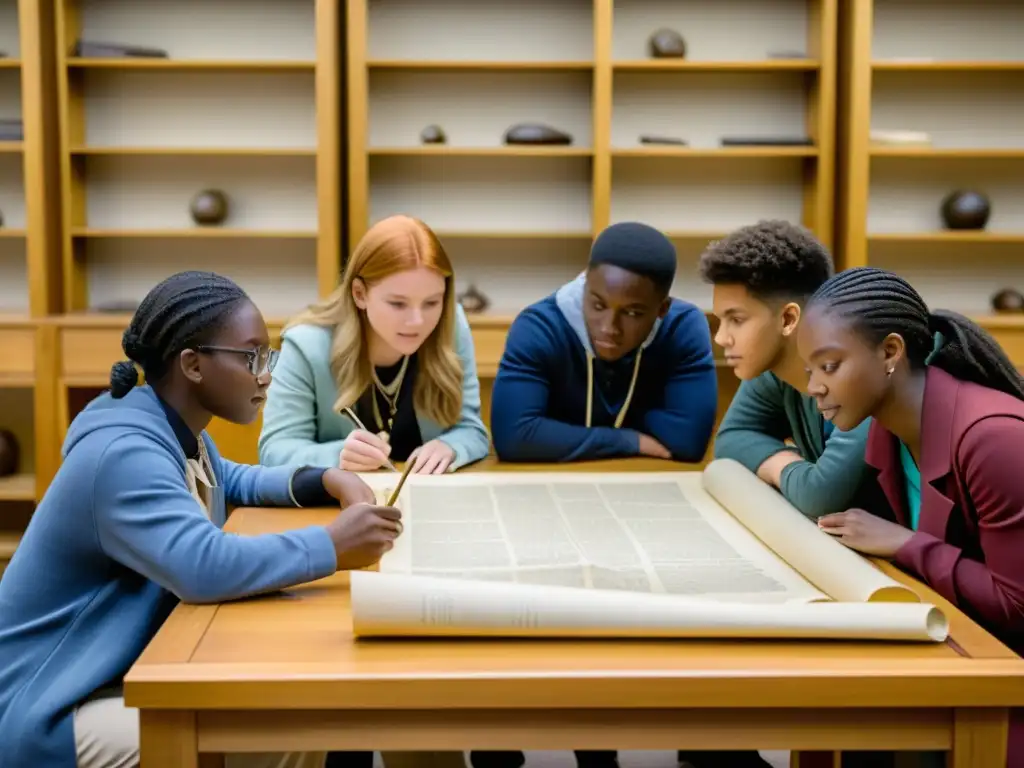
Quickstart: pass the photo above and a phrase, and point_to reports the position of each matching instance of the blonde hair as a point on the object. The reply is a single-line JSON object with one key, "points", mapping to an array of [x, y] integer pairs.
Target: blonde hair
{"points": [[395, 244]]}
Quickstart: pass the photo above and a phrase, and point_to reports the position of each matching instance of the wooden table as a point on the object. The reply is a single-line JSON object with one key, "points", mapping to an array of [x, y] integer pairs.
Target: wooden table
{"points": [[283, 672]]}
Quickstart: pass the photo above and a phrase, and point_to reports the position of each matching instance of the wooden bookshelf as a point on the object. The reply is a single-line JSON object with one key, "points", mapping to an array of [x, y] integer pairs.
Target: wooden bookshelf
{"points": [[29, 253], [247, 101], [956, 73], [518, 221]]}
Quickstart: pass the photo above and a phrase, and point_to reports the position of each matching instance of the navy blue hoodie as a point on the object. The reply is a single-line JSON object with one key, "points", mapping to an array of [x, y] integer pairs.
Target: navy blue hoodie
{"points": [[541, 394]]}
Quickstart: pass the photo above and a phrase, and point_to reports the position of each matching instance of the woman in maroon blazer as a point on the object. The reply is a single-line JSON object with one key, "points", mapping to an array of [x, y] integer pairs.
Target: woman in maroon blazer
{"points": [[947, 441]]}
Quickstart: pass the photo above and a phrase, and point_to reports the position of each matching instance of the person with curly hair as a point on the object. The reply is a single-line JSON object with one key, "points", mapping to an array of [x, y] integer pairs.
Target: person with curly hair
{"points": [[762, 276]]}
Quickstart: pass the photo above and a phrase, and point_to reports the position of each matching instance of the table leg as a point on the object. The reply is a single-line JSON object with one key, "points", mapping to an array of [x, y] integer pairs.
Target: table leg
{"points": [[168, 739], [979, 738]]}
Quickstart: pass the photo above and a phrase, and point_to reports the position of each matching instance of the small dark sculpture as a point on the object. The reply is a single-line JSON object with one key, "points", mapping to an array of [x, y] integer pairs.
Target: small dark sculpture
{"points": [[534, 133], [99, 50], [9, 453], [662, 140], [433, 134], [1008, 300], [473, 301], [966, 209], [667, 44], [209, 207], [766, 141], [1, 218]]}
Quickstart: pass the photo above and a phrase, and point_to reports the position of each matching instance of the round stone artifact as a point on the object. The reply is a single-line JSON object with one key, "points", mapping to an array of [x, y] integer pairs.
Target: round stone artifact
{"points": [[433, 134], [966, 209], [209, 206], [667, 44], [1008, 300]]}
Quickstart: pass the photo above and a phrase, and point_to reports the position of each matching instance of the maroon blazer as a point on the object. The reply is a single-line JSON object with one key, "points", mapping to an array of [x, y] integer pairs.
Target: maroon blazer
{"points": [[969, 544]]}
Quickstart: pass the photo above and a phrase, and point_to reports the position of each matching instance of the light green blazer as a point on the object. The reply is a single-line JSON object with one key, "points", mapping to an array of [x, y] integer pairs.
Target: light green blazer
{"points": [[300, 425]]}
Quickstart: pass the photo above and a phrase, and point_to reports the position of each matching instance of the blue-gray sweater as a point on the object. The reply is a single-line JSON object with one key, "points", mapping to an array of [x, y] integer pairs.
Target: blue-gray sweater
{"points": [[115, 543]]}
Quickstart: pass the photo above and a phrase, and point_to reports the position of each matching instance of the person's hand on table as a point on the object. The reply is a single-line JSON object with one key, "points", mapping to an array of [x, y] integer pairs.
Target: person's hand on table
{"points": [[864, 532], [432, 458], [363, 452]]}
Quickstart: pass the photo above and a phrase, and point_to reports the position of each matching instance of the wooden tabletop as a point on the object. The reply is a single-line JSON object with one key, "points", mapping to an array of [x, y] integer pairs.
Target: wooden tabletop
{"points": [[297, 647]]}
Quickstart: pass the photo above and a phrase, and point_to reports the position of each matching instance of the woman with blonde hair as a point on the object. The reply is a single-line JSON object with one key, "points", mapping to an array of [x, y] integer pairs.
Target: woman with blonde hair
{"points": [[383, 370]]}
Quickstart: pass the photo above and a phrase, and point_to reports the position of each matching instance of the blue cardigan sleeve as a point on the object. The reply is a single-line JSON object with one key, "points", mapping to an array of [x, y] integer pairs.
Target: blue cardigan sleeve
{"points": [[288, 436], [468, 437], [520, 426], [687, 418], [147, 520]]}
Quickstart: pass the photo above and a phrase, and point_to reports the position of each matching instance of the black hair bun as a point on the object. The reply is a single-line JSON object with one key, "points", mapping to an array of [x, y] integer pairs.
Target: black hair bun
{"points": [[123, 378]]}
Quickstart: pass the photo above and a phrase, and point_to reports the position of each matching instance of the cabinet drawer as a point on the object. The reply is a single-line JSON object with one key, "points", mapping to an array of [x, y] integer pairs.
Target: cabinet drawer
{"points": [[89, 351], [17, 352]]}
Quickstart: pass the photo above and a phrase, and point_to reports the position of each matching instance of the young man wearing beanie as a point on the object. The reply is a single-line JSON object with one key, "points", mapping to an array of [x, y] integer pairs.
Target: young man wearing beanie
{"points": [[609, 365]]}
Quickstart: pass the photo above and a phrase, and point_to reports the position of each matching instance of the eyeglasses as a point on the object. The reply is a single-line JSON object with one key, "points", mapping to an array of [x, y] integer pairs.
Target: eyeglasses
{"points": [[261, 359]]}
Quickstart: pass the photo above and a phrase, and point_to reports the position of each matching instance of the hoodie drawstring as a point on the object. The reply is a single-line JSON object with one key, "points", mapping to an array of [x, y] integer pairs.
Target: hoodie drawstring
{"points": [[621, 416]]}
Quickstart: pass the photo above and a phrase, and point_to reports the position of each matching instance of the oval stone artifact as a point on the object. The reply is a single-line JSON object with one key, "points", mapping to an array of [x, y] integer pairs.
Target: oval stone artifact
{"points": [[1008, 300], [667, 44], [433, 134], [535, 133]]}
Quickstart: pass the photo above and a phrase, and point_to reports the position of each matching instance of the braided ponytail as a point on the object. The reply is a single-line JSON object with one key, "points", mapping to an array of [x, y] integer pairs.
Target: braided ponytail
{"points": [[877, 303], [178, 313]]}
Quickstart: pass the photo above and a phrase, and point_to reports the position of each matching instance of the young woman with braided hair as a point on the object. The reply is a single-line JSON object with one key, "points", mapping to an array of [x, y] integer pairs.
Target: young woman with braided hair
{"points": [[946, 442], [132, 523]]}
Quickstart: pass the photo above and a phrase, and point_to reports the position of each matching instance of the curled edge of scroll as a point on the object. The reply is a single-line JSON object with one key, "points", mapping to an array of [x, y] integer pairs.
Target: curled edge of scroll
{"points": [[402, 605]]}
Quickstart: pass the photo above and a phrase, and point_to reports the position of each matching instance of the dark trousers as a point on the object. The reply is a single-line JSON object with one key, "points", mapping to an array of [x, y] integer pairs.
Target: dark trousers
{"points": [[584, 759], [349, 760]]}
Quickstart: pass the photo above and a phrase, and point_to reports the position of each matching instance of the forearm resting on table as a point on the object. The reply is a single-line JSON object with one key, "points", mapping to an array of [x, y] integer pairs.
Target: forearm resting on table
{"points": [[771, 468]]}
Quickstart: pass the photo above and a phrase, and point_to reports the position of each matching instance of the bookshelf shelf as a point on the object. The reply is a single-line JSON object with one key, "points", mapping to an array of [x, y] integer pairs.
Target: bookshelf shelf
{"points": [[954, 72], [247, 103], [483, 65], [10, 63], [687, 65], [518, 220], [198, 232], [211, 65]]}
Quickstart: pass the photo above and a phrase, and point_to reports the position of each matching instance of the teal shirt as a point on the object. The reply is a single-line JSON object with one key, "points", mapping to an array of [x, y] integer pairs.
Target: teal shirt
{"points": [[912, 479], [300, 425], [764, 413]]}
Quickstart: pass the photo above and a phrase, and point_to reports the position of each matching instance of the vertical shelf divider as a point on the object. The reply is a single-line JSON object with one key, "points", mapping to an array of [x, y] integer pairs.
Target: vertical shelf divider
{"points": [[41, 171], [819, 194], [854, 131], [329, 63], [601, 165], [358, 121]]}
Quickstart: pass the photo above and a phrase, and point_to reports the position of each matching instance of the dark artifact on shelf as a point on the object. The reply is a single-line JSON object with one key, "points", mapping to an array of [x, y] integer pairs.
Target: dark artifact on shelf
{"points": [[766, 141], [4, 55], [9, 453], [473, 301], [784, 54], [209, 207], [92, 49], [966, 209], [1008, 300], [12, 129], [433, 134], [666, 44], [1, 218], [662, 140], [535, 133]]}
